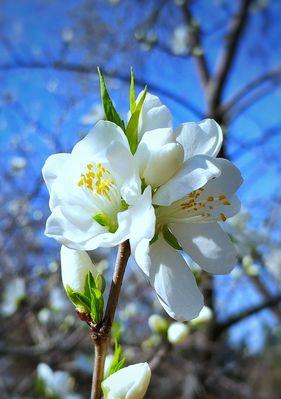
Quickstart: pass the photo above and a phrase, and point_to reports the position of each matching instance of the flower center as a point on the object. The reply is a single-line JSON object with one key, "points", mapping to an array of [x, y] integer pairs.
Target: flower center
{"points": [[105, 195], [96, 179], [195, 207]]}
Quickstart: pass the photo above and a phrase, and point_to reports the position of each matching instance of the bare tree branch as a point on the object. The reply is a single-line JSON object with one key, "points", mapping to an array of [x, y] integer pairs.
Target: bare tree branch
{"points": [[89, 69], [268, 77], [271, 302], [196, 44], [225, 62]]}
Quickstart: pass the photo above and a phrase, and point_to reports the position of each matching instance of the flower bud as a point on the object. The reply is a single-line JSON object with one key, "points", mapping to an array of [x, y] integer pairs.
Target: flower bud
{"points": [[75, 266], [204, 317], [178, 333], [128, 383], [158, 324]]}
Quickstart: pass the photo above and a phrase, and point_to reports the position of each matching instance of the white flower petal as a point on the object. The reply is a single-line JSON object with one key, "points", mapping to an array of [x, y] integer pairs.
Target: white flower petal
{"points": [[173, 282], [158, 156], [195, 173], [154, 114], [72, 227], [75, 266], [227, 182], [98, 140], [207, 244], [128, 383], [142, 229], [121, 163], [200, 138], [52, 168]]}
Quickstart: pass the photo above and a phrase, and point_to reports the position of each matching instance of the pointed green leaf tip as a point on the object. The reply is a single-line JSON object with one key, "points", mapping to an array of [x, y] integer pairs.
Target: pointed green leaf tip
{"points": [[132, 128], [171, 239], [118, 361], [108, 107], [132, 93]]}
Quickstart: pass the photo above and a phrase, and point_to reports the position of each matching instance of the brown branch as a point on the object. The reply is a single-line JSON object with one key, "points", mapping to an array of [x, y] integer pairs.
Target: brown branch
{"points": [[225, 63], [221, 327], [268, 77], [196, 44], [102, 336]]}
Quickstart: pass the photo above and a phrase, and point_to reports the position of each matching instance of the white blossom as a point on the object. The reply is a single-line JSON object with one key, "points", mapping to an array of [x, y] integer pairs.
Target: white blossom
{"points": [[59, 383], [158, 323], [95, 191], [180, 40], [193, 192], [177, 333], [128, 383], [204, 317], [14, 292]]}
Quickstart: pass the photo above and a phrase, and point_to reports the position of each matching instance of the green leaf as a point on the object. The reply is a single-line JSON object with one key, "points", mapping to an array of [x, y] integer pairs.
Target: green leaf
{"points": [[100, 282], [171, 239], [108, 107], [155, 238], [89, 283], [117, 362], [132, 93], [132, 128], [79, 300]]}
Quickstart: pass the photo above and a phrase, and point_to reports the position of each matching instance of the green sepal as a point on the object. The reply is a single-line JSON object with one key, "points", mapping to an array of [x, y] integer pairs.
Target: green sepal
{"points": [[132, 127], [171, 239], [100, 282], [104, 220], [118, 361], [79, 300], [155, 238], [132, 93], [108, 107]]}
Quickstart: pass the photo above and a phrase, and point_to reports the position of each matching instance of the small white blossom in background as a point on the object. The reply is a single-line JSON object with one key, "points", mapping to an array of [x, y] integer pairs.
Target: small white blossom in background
{"points": [[18, 164], [250, 268], [180, 40], [244, 238], [55, 383], [14, 293], [158, 323], [128, 383], [204, 317], [67, 35], [273, 263], [96, 114], [178, 333]]}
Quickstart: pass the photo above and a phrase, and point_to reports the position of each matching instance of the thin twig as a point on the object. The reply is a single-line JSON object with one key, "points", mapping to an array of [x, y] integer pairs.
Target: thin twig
{"points": [[220, 328], [196, 44], [101, 338], [225, 63]]}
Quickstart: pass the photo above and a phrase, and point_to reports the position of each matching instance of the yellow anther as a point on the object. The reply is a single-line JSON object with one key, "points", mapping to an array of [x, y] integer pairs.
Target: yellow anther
{"points": [[211, 198], [89, 166], [227, 203], [222, 197], [223, 217]]}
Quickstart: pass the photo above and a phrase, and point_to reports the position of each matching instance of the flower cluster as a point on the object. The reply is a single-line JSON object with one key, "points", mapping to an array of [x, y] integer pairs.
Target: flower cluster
{"points": [[164, 190]]}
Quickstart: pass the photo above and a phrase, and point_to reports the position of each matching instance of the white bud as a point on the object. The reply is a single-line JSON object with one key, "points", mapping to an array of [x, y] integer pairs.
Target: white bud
{"points": [[128, 383], [75, 266], [159, 156], [204, 317], [178, 333], [158, 323]]}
